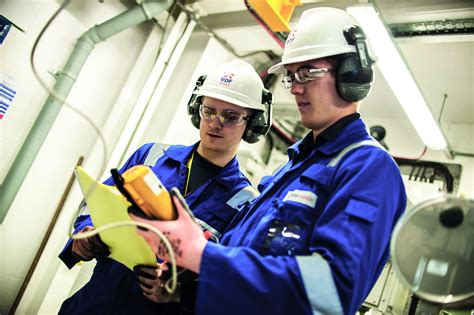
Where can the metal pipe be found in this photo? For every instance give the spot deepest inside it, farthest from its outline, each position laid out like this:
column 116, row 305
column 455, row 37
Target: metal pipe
column 466, row 154
column 61, row 89
column 192, row 15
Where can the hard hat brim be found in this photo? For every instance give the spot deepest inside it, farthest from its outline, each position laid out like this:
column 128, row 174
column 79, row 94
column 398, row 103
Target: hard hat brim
column 325, row 51
column 278, row 68
column 231, row 100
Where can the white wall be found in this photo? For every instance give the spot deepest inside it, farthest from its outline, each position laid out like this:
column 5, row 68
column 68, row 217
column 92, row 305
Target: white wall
column 180, row 129
column 98, row 88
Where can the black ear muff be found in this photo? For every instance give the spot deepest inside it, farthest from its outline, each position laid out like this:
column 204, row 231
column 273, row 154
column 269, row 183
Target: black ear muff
column 259, row 124
column 355, row 74
column 195, row 101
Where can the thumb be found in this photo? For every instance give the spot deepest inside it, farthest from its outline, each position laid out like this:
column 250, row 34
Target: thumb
column 139, row 219
column 163, row 266
column 181, row 205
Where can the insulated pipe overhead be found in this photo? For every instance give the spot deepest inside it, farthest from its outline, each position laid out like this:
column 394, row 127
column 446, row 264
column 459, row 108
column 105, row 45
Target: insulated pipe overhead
column 64, row 83
column 132, row 132
column 159, row 91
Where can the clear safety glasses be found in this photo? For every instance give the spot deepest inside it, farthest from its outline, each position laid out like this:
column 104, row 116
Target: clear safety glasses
column 226, row 117
column 304, row 75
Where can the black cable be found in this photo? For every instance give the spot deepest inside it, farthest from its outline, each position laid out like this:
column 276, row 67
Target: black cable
column 422, row 177
column 271, row 145
column 432, row 177
column 417, row 173
column 437, row 171
column 411, row 172
column 438, row 167
column 413, row 305
column 442, row 107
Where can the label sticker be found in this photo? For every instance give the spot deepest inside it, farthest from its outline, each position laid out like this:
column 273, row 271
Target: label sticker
column 308, row 198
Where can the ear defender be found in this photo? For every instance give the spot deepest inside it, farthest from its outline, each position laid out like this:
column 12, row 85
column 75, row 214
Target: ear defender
column 259, row 124
column 195, row 101
column 355, row 74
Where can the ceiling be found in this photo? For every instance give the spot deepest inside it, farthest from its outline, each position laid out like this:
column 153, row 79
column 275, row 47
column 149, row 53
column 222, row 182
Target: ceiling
column 442, row 65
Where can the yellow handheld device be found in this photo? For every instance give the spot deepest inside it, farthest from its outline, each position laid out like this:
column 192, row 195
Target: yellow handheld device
column 145, row 191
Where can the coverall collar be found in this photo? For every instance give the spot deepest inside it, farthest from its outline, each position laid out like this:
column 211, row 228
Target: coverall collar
column 343, row 132
column 226, row 176
column 182, row 155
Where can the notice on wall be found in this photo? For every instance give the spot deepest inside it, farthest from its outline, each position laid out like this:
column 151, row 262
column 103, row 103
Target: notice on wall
column 7, row 93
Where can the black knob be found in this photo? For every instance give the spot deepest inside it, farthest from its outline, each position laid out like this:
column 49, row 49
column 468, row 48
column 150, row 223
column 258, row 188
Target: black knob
column 451, row 217
column 378, row 132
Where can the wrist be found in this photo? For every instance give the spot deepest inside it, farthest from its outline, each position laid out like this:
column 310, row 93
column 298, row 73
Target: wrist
column 195, row 252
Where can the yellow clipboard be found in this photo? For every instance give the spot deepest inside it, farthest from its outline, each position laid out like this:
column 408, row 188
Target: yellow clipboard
column 107, row 205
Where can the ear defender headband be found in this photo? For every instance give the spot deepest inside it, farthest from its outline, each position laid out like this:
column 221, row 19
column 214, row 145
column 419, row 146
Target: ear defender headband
column 355, row 74
column 258, row 125
column 195, row 101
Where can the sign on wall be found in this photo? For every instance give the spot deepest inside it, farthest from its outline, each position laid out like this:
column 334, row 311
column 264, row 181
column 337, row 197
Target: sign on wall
column 7, row 93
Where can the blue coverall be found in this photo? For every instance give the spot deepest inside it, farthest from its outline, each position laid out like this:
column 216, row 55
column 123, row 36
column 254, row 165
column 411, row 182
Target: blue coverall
column 316, row 239
column 113, row 288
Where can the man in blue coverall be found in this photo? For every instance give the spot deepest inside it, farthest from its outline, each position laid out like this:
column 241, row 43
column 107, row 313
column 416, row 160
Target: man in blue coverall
column 206, row 173
column 317, row 238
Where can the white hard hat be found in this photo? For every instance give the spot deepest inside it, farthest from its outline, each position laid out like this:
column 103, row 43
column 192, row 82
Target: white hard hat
column 318, row 34
column 235, row 82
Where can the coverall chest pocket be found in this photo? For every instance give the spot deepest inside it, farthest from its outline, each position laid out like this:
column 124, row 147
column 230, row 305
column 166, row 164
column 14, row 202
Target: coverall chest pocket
column 296, row 212
column 216, row 214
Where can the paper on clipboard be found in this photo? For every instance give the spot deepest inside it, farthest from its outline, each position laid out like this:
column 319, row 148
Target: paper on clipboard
column 107, row 205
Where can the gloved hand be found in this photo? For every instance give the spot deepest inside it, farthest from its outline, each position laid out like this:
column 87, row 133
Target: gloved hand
column 184, row 234
column 88, row 248
column 152, row 285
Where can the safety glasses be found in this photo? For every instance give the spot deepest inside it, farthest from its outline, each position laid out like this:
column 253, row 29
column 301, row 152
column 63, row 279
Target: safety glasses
column 226, row 117
column 304, row 75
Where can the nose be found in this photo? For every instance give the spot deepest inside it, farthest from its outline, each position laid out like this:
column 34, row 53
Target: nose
column 296, row 88
column 216, row 123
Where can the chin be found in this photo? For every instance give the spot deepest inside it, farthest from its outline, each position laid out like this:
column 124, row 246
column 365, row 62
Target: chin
column 212, row 146
column 306, row 123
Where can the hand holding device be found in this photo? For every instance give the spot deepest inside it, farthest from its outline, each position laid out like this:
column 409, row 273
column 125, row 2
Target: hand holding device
column 152, row 284
column 88, row 248
column 184, row 234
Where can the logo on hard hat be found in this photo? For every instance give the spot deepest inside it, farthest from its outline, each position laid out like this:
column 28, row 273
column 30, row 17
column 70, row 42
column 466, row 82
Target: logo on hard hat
column 226, row 78
column 291, row 37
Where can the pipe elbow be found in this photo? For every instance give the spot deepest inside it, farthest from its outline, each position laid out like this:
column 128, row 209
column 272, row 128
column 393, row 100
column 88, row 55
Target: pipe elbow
column 90, row 37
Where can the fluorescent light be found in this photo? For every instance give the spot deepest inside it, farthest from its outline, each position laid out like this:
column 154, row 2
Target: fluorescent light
column 398, row 76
